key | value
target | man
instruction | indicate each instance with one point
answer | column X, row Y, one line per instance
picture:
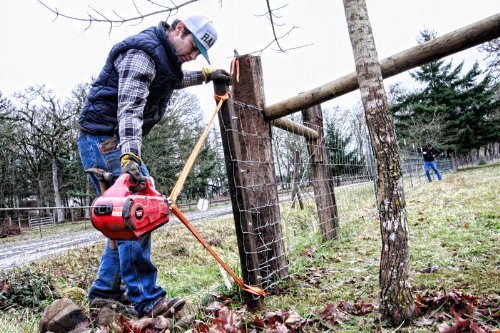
column 429, row 152
column 127, row 99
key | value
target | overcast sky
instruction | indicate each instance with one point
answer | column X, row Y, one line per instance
column 36, row 49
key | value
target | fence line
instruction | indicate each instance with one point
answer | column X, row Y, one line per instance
column 329, row 172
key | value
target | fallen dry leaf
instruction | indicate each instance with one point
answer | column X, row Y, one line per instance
column 458, row 326
column 308, row 252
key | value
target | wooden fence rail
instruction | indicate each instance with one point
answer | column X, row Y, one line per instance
column 455, row 41
column 41, row 221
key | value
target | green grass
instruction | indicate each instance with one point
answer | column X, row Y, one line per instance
column 454, row 225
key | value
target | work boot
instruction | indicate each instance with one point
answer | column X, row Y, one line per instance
column 167, row 307
column 100, row 303
column 123, row 298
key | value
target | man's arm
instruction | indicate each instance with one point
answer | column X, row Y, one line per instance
column 136, row 71
column 191, row 78
column 206, row 75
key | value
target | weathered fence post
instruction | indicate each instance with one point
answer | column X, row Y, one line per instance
column 251, row 173
column 243, row 221
column 321, row 174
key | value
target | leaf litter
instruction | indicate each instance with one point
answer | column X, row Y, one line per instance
column 448, row 254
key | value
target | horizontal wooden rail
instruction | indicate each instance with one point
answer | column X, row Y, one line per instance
column 40, row 221
column 455, row 41
column 295, row 128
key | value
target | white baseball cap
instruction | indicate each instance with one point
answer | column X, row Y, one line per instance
column 203, row 31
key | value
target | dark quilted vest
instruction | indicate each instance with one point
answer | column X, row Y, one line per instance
column 99, row 114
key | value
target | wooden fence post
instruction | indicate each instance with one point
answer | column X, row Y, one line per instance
column 242, row 218
column 251, row 172
column 321, row 174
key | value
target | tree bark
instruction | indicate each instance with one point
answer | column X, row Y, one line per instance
column 42, row 197
column 321, row 175
column 396, row 301
column 296, row 185
column 87, row 199
column 57, row 193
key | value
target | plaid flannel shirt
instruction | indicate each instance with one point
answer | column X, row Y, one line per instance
column 136, row 71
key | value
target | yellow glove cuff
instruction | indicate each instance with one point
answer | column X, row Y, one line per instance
column 127, row 157
column 205, row 71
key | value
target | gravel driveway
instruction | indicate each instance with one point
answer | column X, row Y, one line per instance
column 15, row 254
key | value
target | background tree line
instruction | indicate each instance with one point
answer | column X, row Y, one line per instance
column 41, row 164
column 459, row 112
column 40, row 161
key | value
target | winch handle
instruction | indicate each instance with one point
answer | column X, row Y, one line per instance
column 121, row 187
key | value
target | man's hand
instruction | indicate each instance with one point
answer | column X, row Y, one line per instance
column 131, row 164
column 215, row 75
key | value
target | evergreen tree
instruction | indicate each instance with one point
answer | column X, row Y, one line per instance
column 345, row 159
column 453, row 111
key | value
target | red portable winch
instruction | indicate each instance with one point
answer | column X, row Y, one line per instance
column 121, row 215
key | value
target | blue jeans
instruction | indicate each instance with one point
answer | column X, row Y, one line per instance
column 131, row 262
column 432, row 165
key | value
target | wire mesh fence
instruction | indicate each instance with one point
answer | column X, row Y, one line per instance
column 292, row 192
column 352, row 171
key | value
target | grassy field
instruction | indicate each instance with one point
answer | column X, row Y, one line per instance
column 454, row 242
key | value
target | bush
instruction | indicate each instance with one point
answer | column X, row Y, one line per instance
column 7, row 230
column 482, row 161
column 26, row 289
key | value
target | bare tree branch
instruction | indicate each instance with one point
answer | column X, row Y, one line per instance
column 101, row 18
column 96, row 16
column 275, row 40
column 492, row 50
column 271, row 14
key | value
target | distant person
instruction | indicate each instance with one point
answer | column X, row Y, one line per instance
column 127, row 99
column 429, row 153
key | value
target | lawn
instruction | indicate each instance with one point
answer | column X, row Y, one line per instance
column 333, row 287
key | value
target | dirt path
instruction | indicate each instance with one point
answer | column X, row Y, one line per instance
column 15, row 254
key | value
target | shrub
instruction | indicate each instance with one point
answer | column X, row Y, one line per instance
column 26, row 288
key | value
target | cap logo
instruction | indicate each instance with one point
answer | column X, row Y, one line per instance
column 207, row 38
column 203, row 32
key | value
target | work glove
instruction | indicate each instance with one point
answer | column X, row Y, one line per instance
column 131, row 164
column 215, row 75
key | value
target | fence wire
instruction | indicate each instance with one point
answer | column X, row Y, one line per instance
column 291, row 208
column 346, row 191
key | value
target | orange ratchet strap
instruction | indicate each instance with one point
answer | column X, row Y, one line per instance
column 177, row 212
column 190, row 161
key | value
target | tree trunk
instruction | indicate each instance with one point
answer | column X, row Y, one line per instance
column 57, row 194
column 43, row 199
column 279, row 166
column 296, row 185
column 396, row 302
column 87, row 199
column 321, row 175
